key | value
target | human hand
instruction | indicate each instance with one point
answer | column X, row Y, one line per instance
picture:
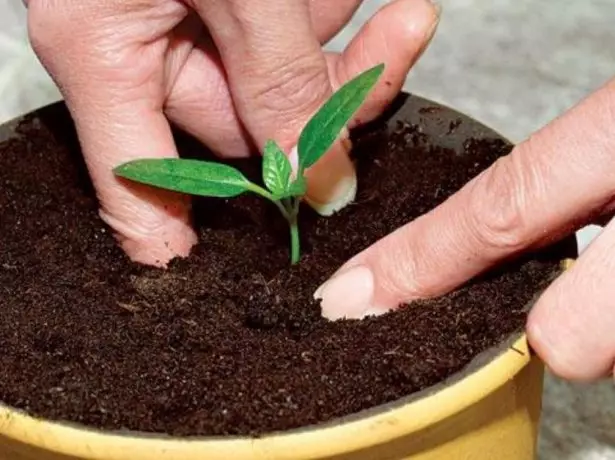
column 232, row 73
column 556, row 181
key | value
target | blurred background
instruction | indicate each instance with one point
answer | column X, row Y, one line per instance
column 512, row 64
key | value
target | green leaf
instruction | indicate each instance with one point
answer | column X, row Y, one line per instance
column 297, row 188
column 187, row 176
column 276, row 169
column 325, row 126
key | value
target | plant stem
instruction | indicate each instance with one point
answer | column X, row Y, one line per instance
column 294, row 230
column 289, row 207
column 282, row 209
column 295, row 207
column 294, row 240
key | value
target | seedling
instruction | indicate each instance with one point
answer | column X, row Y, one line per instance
column 283, row 188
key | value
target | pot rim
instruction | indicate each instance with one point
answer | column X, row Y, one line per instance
column 483, row 375
column 374, row 426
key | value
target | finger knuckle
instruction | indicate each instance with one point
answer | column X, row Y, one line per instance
column 293, row 90
column 498, row 203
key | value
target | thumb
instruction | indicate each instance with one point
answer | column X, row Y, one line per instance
column 279, row 78
column 523, row 200
column 110, row 87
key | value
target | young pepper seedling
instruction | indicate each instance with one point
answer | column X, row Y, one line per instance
column 213, row 179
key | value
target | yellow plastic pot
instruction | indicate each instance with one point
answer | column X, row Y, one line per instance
column 490, row 411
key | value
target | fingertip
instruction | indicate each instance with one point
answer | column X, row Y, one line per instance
column 349, row 294
column 152, row 226
column 556, row 362
column 171, row 238
column 540, row 335
column 425, row 16
column 558, row 345
column 397, row 35
column 332, row 181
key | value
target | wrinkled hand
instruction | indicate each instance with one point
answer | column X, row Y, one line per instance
column 551, row 184
column 233, row 73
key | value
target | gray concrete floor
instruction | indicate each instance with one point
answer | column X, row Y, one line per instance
column 513, row 64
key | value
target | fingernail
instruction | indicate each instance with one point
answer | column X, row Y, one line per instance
column 438, row 14
column 437, row 7
column 347, row 295
column 332, row 181
column 293, row 159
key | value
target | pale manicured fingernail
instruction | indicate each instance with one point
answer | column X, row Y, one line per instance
column 293, row 158
column 348, row 295
column 438, row 7
column 332, row 181
column 436, row 23
column 434, row 26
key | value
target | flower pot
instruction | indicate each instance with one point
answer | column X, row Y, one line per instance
column 490, row 409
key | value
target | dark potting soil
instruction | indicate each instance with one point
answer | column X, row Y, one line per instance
column 229, row 340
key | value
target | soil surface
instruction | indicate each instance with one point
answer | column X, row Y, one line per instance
column 229, row 340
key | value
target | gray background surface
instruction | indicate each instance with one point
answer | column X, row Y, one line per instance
column 512, row 64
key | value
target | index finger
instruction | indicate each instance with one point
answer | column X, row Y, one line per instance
column 543, row 189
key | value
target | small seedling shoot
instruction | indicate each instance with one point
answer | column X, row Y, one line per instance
column 283, row 188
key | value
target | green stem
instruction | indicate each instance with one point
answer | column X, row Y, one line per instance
column 265, row 194
column 294, row 240
column 294, row 231
column 290, row 210
column 295, row 207
column 282, row 209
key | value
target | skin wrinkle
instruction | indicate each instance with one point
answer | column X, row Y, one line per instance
column 530, row 170
column 291, row 86
column 120, row 71
column 362, row 52
column 333, row 26
column 180, row 46
column 388, row 287
column 556, row 316
column 583, row 137
column 202, row 107
column 399, row 280
column 183, row 99
column 185, row 106
column 326, row 27
column 397, row 32
column 143, row 227
column 279, row 100
column 533, row 194
column 434, row 257
column 140, row 30
column 497, row 206
column 282, row 13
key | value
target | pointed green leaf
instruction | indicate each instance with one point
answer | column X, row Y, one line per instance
column 325, row 126
column 276, row 169
column 187, row 176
